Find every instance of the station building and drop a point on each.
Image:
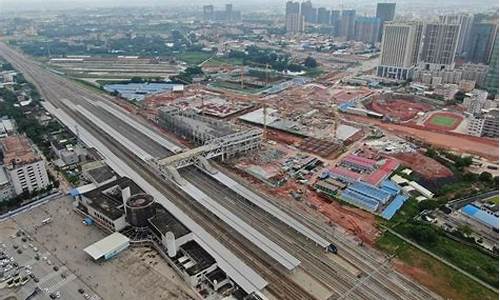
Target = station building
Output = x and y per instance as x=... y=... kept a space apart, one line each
x=134 y=218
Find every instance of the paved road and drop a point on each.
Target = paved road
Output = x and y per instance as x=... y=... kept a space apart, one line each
x=459 y=203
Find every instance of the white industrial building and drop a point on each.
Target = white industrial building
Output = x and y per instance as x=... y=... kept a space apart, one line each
x=108 y=247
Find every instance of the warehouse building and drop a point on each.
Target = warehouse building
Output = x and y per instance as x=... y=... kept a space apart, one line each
x=358 y=163
x=484 y=217
x=108 y=247
x=388 y=166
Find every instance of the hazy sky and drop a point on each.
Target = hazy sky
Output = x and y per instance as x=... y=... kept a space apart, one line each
x=8 y=5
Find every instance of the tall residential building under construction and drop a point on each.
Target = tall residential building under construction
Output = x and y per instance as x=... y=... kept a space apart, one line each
x=400 y=46
x=439 y=46
x=294 y=20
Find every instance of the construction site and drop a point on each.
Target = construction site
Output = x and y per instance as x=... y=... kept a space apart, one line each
x=250 y=185
x=398 y=108
x=249 y=80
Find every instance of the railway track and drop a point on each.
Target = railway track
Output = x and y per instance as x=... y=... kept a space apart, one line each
x=280 y=285
x=363 y=259
x=314 y=261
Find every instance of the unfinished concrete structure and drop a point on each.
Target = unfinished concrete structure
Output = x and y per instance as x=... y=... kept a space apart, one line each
x=216 y=138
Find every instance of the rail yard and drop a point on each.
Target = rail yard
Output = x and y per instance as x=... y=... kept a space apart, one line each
x=356 y=272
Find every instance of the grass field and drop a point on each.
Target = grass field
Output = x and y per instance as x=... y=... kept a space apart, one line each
x=444 y=121
x=217 y=61
x=237 y=88
x=194 y=57
x=463 y=256
x=494 y=200
x=432 y=273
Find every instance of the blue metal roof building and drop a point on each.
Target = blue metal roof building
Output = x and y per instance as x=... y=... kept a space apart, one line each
x=480 y=215
x=370 y=191
x=359 y=200
x=343 y=107
x=394 y=206
x=390 y=187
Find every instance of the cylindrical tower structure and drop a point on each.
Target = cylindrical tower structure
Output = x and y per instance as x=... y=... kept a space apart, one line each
x=139 y=208
x=170 y=241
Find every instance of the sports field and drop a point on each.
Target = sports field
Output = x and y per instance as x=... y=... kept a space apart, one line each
x=444 y=121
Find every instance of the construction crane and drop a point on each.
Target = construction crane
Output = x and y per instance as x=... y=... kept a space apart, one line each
x=335 y=120
x=264 y=111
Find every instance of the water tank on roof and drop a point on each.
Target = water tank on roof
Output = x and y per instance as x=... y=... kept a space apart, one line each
x=139 y=208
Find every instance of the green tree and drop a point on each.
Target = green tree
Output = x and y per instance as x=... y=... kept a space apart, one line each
x=193 y=70
x=465 y=230
x=462 y=162
x=485 y=177
x=427 y=205
x=310 y=62
x=136 y=79
x=431 y=152
x=459 y=96
x=422 y=234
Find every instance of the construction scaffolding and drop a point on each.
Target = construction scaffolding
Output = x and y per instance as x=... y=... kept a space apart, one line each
x=215 y=138
x=190 y=125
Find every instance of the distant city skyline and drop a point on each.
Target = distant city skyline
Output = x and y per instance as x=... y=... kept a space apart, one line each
x=363 y=6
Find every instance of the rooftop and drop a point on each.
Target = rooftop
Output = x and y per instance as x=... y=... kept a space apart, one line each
x=107 y=245
x=17 y=150
x=345 y=132
x=345 y=173
x=359 y=161
x=481 y=215
x=98 y=171
x=107 y=199
x=199 y=256
x=164 y=222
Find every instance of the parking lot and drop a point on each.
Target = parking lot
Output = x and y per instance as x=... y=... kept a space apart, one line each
x=136 y=273
x=29 y=271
